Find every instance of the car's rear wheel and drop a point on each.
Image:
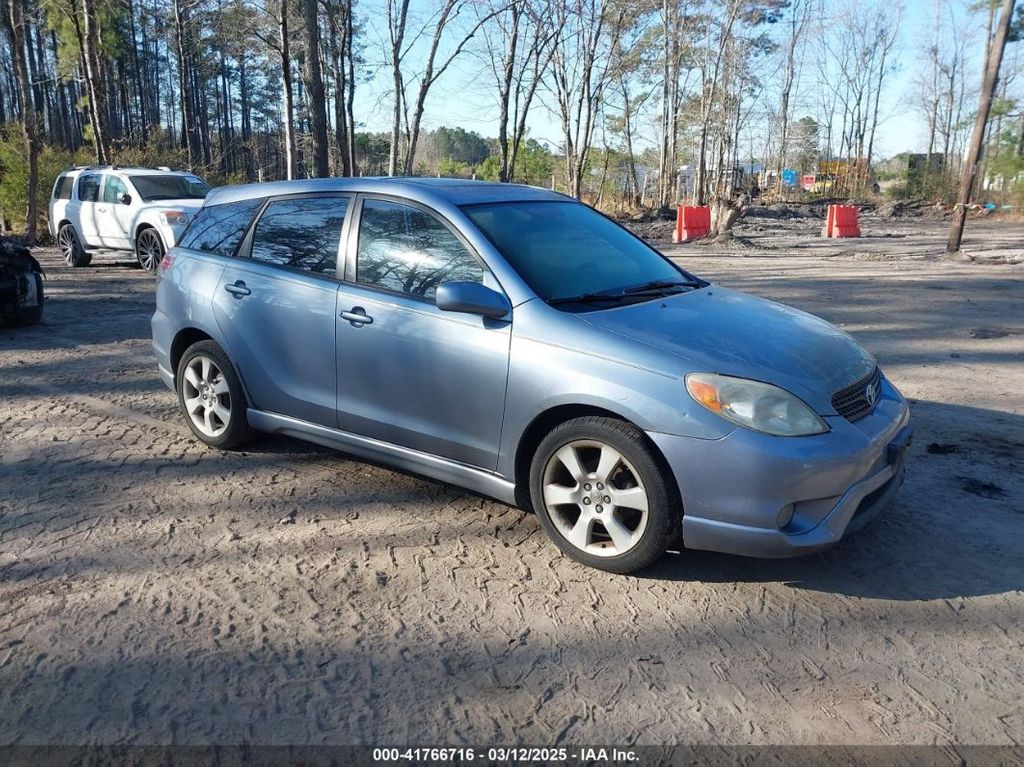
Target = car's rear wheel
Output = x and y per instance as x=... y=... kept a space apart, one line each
x=211 y=397
x=71 y=247
x=149 y=249
x=601 y=494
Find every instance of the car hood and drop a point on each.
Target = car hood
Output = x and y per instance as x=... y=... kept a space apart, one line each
x=724 y=331
x=188 y=205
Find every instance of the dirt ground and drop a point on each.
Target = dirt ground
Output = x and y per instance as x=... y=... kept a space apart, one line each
x=153 y=591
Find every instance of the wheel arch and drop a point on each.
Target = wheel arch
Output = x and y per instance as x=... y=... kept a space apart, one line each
x=183 y=339
x=143 y=226
x=542 y=425
x=187 y=336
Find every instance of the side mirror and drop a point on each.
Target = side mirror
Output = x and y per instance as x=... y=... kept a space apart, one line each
x=472 y=298
x=124 y=198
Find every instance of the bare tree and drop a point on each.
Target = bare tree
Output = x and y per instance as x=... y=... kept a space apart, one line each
x=14 y=20
x=587 y=31
x=988 y=87
x=797 y=21
x=519 y=54
x=435 y=67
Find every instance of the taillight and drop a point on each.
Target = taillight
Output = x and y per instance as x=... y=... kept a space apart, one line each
x=165 y=264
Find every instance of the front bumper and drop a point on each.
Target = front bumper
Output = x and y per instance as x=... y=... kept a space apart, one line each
x=734 y=488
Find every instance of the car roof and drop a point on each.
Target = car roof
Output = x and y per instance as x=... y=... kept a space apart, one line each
x=127 y=170
x=455 y=191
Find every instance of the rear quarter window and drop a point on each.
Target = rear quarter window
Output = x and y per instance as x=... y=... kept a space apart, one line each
x=62 y=189
x=219 y=228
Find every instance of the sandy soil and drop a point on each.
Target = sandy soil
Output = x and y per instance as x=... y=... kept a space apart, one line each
x=152 y=591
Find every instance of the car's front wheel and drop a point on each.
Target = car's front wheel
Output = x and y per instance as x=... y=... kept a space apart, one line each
x=211 y=396
x=602 y=495
x=149 y=249
x=71 y=247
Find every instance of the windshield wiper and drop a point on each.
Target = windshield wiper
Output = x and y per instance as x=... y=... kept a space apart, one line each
x=587 y=298
x=659 y=286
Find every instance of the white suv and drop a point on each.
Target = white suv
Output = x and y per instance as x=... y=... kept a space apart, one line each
x=138 y=209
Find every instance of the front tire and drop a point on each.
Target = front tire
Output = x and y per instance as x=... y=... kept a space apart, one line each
x=71 y=247
x=149 y=249
x=602 y=495
x=211 y=397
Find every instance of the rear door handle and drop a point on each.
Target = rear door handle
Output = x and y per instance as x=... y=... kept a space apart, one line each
x=357 y=316
x=237 y=289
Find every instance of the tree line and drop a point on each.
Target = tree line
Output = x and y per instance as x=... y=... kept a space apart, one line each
x=655 y=100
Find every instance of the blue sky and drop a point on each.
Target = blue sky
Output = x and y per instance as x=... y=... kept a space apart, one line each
x=465 y=96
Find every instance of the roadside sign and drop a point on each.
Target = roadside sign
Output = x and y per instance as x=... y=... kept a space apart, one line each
x=788 y=177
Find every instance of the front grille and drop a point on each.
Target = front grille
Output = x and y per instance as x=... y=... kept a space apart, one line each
x=853 y=401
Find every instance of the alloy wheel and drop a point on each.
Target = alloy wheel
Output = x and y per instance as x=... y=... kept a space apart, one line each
x=206 y=396
x=67 y=245
x=149 y=250
x=595 y=498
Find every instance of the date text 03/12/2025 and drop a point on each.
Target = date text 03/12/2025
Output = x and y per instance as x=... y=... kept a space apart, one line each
x=503 y=754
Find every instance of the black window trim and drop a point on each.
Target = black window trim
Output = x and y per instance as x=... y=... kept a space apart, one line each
x=244 y=250
x=352 y=246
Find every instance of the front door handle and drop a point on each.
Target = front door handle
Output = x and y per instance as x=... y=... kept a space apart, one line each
x=357 y=316
x=237 y=289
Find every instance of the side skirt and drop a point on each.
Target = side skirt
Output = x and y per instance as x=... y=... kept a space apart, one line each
x=432 y=466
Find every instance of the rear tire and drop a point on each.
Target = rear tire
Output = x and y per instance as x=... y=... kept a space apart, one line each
x=602 y=494
x=71 y=247
x=211 y=397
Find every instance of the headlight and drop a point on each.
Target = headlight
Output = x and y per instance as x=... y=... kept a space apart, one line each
x=755 y=405
x=175 y=217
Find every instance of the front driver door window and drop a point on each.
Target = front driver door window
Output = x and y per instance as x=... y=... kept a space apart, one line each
x=407 y=250
x=411 y=374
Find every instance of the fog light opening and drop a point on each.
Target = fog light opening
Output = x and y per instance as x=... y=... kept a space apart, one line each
x=785 y=516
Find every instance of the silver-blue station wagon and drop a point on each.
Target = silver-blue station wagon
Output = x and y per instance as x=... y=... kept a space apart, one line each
x=517 y=343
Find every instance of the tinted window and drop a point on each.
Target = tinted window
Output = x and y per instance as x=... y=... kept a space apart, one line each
x=89 y=188
x=63 y=189
x=113 y=188
x=301 y=233
x=219 y=228
x=409 y=251
x=169 y=187
x=565 y=249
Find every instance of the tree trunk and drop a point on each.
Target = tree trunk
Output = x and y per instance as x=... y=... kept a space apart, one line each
x=16 y=21
x=291 y=169
x=94 y=87
x=988 y=87
x=397 y=30
x=315 y=90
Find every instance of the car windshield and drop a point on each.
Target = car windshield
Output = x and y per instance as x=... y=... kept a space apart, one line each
x=567 y=250
x=151 y=188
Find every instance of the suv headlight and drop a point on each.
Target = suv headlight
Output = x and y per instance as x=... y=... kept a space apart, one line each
x=755 y=405
x=175 y=217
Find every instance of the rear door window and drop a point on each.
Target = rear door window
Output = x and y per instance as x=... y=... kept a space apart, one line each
x=89 y=188
x=407 y=250
x=219 y=228
x=301 y=233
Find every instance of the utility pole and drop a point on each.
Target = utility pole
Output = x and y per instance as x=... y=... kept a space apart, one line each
x=988 y=87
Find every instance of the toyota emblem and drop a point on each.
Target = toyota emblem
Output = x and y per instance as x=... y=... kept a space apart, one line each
x=871 y=394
